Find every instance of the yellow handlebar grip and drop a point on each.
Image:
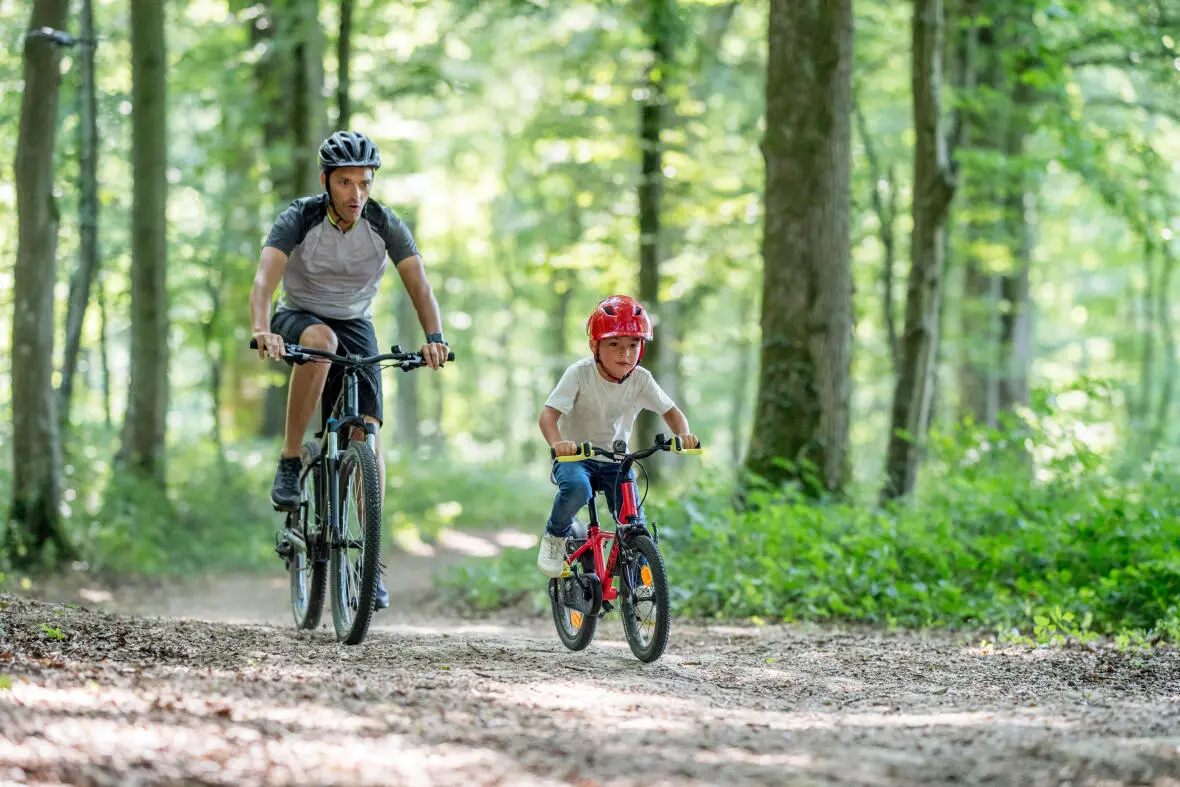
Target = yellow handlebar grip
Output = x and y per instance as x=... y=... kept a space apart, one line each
x=585 y=451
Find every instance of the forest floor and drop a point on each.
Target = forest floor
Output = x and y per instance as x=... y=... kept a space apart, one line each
x=207 y=682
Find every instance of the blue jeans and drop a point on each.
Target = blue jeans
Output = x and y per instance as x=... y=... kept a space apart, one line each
x=575 y=480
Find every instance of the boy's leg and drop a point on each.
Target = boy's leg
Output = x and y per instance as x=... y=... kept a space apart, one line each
x=573 y=492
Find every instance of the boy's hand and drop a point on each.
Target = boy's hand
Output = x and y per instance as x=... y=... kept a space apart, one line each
x=689 y=440
x=564 y=448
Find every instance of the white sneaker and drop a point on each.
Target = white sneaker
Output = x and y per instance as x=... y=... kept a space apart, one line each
x=551 y=556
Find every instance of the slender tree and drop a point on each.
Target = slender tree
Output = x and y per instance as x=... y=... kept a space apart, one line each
x=933 y=190
x=805 y=383
x=82 y=281
x=343 y=64
x=147 y=397
x=34 y=519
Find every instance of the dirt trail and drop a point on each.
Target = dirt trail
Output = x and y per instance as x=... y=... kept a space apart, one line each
x=238 y=697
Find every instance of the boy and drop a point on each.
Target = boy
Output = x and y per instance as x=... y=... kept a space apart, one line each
x=597 y=400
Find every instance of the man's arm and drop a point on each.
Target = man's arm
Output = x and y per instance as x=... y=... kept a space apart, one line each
x=422 y=296
x=270 y=272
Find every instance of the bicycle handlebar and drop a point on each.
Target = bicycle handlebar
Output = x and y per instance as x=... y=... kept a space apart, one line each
x=404 y=360
x=586 y=450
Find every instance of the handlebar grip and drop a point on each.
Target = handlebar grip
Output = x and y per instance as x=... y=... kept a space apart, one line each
x=677 y=447
x=585 y=451
x=451 y=356
x=253 y=344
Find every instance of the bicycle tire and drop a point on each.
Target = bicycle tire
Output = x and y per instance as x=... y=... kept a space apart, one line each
x=309 y=576
x=576 y=627
x=352 y=596
x=646 y=645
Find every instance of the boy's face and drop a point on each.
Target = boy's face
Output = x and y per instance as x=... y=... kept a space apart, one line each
x=618 y=354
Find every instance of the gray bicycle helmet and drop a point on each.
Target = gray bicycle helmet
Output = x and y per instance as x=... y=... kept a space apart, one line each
x=348 y=149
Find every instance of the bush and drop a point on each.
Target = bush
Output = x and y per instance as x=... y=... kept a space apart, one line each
x=1021 y=528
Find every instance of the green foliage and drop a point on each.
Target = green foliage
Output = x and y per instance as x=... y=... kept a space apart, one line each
x=53 y=632
x=508 y=580
x=1022 y=528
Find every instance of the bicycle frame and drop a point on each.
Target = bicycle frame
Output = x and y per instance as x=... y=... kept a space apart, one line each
x=344 y=416
x=596 y=538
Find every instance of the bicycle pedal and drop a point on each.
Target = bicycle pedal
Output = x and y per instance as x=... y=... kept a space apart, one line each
x=283 y=547
x=606 y=607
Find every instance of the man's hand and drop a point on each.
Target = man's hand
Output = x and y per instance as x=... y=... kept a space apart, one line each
x=689 y=440
x=435 y=354
x=270 y=345
x=564 y=448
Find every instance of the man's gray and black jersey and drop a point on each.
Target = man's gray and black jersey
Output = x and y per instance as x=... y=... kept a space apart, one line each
x=332 y=273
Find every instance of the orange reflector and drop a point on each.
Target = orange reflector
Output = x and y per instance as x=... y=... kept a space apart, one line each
x=645 y=575
x=575 y=618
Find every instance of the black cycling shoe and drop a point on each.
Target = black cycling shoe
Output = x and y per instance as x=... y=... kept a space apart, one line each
x=285 y=492
x=381 y=597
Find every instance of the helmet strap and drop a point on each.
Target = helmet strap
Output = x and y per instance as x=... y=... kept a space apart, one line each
x=611 y=377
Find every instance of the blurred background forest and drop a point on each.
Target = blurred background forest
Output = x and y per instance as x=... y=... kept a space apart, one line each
x=993 y=446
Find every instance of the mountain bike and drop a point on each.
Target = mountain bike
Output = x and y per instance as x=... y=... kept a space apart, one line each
x=585 y=590
x=334 y=536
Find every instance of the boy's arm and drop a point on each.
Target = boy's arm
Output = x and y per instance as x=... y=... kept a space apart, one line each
x=676 y=421
x=552 y=435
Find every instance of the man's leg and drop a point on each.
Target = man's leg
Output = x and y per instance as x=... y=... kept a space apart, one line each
x=307 y=385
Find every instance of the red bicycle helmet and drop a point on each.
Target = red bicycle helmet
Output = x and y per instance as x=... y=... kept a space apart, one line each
x=619 y=315
x=615 y=316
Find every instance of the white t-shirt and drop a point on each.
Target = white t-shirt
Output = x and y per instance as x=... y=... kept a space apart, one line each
x=600 y=411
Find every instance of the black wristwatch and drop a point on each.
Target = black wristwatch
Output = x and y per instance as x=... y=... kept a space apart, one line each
x=436 y=338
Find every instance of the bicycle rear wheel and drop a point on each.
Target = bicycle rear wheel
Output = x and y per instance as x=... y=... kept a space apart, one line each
x=356 y=547
x=576 y=601
x=646 y=610
x=306 y=566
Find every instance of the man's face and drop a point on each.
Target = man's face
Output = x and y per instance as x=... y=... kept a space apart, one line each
x=349 y=188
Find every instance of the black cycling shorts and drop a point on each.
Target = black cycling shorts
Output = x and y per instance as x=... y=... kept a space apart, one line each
x=354 y=337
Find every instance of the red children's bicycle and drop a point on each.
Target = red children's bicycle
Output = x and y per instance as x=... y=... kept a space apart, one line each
x=586 y=590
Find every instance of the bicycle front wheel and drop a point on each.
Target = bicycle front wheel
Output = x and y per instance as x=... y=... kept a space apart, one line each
x=306 y=566
x=356 y=545
x=646 y=609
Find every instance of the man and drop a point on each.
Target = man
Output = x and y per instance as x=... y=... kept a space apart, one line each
x=330 y=252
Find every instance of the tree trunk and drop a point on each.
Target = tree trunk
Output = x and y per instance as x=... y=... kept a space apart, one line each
x=933 y=189
x=1161 y=432
x=307 y=104
x=805 y=383
x=88 y=257
x=741 y=387
x=104 y=352
x=147 y=397
x=34 y=519
x=978 y=314
x=652 y=111
x=343 y=61
x=885 y=209
x=290 y=79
